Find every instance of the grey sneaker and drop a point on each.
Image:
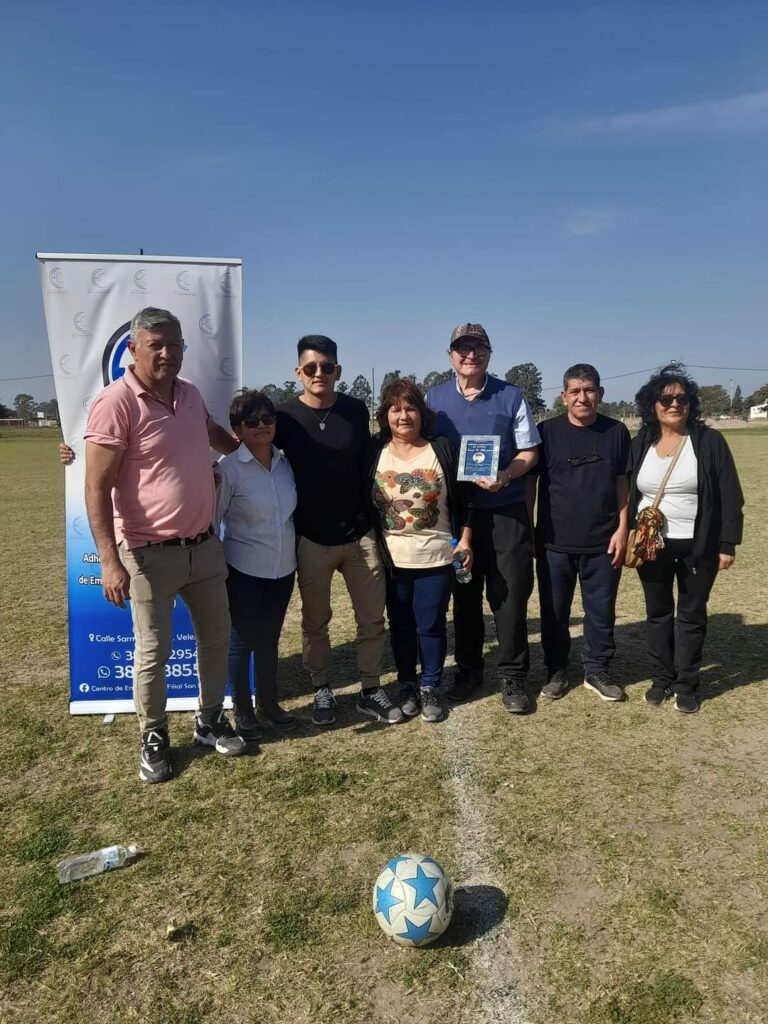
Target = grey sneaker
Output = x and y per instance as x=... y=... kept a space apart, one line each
x=432 y=709
x=600 y=683
x=246 y=724
x=219 y=734
x=408 y=698
x=556 y=685
x=687 y=703
x=377 y=704
x=323 y=712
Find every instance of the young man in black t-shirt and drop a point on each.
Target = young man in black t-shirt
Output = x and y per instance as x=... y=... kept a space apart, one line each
x=581 y=531
x=324 y=436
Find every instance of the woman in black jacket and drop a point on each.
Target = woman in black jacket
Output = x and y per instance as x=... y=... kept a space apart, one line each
x=702 y=508
x=417 y=509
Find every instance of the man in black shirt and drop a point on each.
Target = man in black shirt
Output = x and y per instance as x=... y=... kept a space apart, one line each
x=324 y=436
x=581 y=530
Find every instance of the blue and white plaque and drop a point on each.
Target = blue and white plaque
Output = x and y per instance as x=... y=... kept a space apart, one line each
x=479 y=456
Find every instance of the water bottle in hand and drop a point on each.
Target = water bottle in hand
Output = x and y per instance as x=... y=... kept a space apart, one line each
x=462 y=575
x=71 y=869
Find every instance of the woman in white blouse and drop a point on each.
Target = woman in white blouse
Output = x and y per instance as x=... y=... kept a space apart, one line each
x=256 y=499
x=701 y=504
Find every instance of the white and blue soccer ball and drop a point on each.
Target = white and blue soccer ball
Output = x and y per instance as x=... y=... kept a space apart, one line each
x=413 y=900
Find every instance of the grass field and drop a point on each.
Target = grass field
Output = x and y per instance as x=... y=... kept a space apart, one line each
x=614 y=857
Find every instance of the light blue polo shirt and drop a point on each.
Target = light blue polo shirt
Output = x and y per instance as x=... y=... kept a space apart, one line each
x=501 y=409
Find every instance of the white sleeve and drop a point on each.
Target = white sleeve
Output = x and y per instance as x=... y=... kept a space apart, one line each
x=526 y=433
x=224 y=490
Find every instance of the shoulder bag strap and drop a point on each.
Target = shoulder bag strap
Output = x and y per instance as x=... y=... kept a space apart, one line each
x=668 y=474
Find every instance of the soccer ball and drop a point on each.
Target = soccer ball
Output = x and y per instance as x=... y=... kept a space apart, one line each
x=413 y=900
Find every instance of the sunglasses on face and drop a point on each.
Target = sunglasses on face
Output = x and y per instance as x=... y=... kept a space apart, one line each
x=667 y=401
x=310 y=369
x=255 y=421
x=464 y=350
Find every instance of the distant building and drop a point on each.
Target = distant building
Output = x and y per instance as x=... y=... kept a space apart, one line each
x=759 y=412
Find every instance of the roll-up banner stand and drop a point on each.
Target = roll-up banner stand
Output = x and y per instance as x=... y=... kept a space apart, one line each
x=89 y=302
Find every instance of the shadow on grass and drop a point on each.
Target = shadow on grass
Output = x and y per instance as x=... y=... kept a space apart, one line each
x=477 y=910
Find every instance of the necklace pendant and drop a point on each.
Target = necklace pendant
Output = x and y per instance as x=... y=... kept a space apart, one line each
x=322 y=425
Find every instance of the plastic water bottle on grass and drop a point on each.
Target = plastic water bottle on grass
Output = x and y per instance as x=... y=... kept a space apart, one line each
x=462 y=575
x=71 y=869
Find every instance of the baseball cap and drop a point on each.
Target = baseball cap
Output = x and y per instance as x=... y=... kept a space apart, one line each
x=472 y=332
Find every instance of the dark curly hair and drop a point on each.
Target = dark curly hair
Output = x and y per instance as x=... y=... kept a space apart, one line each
x=400 y=392
x=246 y=403
x=649 y=394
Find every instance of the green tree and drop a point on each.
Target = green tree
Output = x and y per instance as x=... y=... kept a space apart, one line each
x=50 y=409
x=393 y=375
x=759 y=397
x=25 y=406
x=435 y=377
x=342 y=387
x=737 y=406
x=361 y=389
x=714 y=399
x=5 y=412
x=527 y=377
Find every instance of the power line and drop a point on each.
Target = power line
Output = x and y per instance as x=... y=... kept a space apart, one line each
x=39 y=376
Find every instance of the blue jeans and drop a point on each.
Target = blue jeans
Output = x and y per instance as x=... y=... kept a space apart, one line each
x=257 y=607
x=557 y=572
x=417 y=607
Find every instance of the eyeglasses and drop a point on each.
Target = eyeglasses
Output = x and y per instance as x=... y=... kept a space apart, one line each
x=310 y=369
x=667 y=401
x=582 y=460
x=463 y=350
x=255 y=421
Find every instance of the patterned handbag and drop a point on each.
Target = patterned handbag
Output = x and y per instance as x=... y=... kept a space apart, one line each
x=646 y=538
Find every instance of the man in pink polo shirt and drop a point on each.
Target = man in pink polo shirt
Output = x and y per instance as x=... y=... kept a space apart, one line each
x=149 y=492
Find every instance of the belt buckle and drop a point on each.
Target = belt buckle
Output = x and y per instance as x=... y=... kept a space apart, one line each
x=185 y=541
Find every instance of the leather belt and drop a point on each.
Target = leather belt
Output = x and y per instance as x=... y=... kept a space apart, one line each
x=182 y=542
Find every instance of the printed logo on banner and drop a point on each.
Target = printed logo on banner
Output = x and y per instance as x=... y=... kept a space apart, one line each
x=56 y=279
x=140 y=280
x=227 y=368
x=116 y=355
x=87 y=402
x=79 y=526
x=64 y=364
x=80 y=322
x=225 y=283
x=98 y=284
x=207 y=325
x=184 y=283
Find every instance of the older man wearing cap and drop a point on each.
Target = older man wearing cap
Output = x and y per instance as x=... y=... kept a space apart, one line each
x=473 y=402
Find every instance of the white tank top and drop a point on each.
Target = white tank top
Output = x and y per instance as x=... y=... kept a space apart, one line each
x=680 y=502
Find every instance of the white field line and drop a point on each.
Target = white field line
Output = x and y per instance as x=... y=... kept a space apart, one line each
x=491 y=952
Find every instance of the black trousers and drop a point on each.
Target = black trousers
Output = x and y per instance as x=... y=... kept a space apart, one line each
x=675 y=645
x=503 y=567
x=257 y=607
x=557 y=572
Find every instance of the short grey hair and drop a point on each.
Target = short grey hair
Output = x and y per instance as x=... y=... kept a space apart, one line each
x=149 y=318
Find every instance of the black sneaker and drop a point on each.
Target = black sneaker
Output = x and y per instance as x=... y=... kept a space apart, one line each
x=656 y=696
x=155 y=765
x=377 y=704
x=465 y=681
x=514 y=695
x=276 y=717
x=687 y=703
x=600 y=683
x=219 y=734
x=556 y=685
x=246 y=725
x=323 y=712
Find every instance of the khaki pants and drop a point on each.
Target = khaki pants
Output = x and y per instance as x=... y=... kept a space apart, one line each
x=197 y=574
x=359 y=564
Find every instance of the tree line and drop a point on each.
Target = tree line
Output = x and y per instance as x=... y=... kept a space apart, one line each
x=715 y=399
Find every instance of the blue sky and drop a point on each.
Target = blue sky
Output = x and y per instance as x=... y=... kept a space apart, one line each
x=588 y=180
